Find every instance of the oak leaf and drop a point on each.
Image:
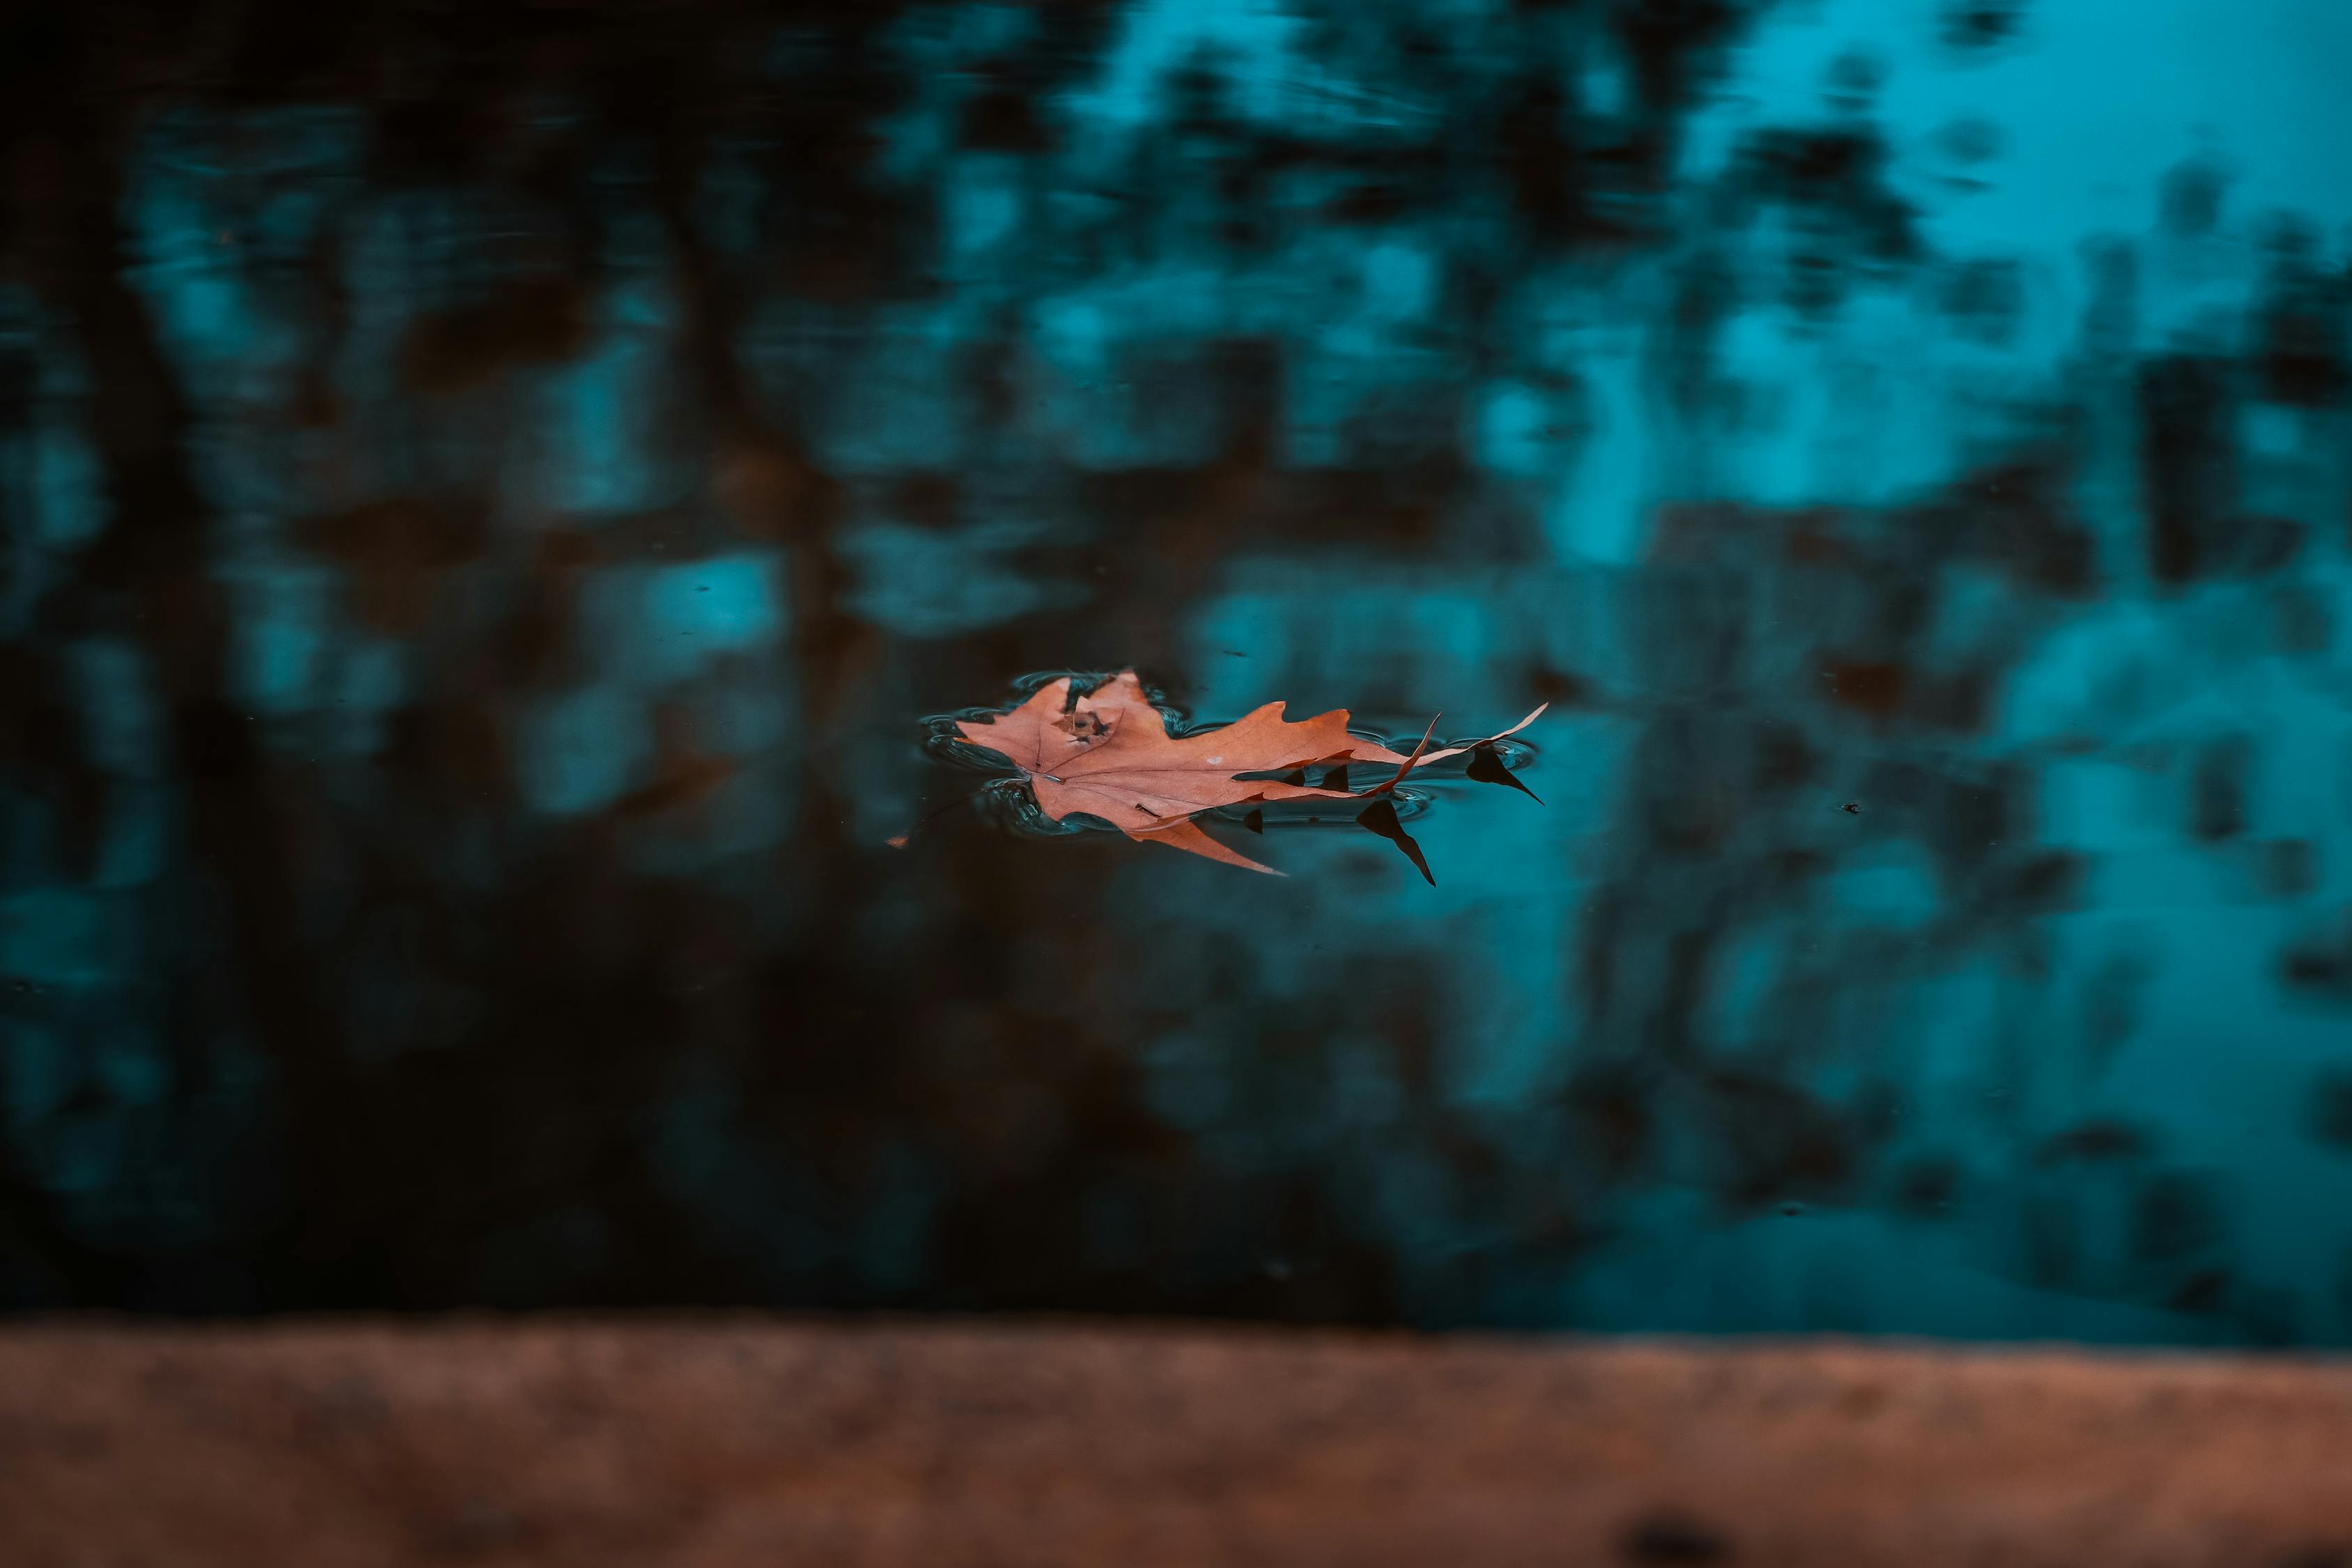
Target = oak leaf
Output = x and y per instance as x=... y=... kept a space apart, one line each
x=1107 y=753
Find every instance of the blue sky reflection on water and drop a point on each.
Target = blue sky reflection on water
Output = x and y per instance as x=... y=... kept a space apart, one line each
x=484 y=535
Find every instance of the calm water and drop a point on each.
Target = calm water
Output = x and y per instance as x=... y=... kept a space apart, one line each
x=491 y=507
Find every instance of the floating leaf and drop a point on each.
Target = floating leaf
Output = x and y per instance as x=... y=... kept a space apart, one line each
x=1107 y=753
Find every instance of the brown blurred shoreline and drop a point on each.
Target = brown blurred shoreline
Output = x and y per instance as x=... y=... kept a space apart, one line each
x=733 y=1440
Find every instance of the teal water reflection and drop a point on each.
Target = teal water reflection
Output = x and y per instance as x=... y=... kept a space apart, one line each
x=489 y=509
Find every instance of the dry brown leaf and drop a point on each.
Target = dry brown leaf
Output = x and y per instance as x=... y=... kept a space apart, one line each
x=1108 y=754
x=1189 y=836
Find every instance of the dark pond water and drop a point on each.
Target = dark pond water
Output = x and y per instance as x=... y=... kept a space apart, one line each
x=494 y=496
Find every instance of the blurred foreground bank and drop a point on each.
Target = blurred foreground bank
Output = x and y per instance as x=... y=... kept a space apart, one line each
x=725 y=1442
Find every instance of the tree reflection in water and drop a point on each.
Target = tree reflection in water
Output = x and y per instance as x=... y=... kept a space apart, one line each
x=490 y=497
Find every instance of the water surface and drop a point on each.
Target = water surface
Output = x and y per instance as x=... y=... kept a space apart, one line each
x=492 y=504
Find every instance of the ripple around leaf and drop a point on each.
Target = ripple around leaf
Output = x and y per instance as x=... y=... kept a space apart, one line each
x=1006 y=805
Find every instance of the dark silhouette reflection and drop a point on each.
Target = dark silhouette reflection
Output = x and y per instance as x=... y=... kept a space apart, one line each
x=1381 y=819
x=1981 y=24
x=489 y=494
